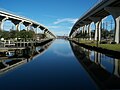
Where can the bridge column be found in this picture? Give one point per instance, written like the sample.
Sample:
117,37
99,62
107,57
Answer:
45,32
115,12
98,31
97,21
37,29
89,31
27,25
30,25
83,29
2,20
17,24
87,23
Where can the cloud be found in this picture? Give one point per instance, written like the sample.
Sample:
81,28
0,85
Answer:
50,16
53,27
70,20
59,33
70,27
69,54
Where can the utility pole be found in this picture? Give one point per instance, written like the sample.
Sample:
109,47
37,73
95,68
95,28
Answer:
106,25
111,23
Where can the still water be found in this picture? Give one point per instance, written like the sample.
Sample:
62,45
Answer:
62,66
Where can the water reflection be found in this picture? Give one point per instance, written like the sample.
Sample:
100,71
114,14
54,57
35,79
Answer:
50,72
104,70
9,63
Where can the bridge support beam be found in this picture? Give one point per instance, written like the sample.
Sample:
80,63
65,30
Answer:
115,12
97,21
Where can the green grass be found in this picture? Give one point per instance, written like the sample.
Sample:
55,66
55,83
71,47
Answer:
115,47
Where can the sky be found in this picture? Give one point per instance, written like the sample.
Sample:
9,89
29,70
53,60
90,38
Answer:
58,16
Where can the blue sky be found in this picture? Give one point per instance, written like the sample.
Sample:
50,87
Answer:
57,15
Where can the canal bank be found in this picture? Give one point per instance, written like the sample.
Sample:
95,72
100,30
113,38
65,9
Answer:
103,70
109,52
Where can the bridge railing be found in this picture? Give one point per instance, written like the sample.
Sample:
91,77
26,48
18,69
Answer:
15,14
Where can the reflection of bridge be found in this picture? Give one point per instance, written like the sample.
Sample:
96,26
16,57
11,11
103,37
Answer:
7,64
96,14
105,78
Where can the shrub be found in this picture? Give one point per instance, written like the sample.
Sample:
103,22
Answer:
113,42
103,42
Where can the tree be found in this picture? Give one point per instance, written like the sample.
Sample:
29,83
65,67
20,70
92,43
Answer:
105,34
26,34
22,34
93,33
31,34
5,34
111,33
17,34
13,34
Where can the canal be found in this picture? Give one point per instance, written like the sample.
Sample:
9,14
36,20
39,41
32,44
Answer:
64,66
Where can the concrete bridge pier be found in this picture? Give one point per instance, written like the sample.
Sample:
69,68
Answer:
98,31
45,32
17,24
97,22
38,27
27,25
86,31
89,31
87,23
35,27
82,29
115,12
2,20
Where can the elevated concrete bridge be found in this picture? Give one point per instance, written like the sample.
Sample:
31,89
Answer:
17,20
96,14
